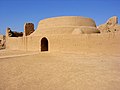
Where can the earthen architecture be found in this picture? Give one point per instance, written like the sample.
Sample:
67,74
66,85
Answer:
110,26
65,34
1,38
2,41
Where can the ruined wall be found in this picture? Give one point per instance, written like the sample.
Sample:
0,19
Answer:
1,39
7,32
10,33
111,25
28,29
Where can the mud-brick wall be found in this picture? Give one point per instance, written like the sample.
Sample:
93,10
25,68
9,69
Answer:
103,43
15,43
33,43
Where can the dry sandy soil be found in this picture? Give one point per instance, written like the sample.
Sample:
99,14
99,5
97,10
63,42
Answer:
59,71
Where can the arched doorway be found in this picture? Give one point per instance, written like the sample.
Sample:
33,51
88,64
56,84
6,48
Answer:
44,44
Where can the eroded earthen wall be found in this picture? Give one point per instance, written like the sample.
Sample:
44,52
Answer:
10,33
28,29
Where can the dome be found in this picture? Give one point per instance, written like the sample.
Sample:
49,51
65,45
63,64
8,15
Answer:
65,21
66,25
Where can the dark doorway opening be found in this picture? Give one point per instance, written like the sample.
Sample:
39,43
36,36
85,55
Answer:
44,44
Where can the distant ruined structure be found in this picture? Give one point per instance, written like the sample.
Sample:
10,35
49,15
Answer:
10,33
65,34
110,26
2,41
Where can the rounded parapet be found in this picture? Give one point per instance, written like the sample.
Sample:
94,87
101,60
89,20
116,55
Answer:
66,25
65,21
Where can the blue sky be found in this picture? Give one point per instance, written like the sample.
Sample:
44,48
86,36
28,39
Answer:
14,13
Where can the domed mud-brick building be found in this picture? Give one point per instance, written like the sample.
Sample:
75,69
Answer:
61,34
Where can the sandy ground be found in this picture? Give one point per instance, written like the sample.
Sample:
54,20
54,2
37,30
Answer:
59,71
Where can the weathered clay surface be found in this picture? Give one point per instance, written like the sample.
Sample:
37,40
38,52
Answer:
28,29
110,26
10,33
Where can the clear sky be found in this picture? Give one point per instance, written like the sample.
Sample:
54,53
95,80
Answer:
14,13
